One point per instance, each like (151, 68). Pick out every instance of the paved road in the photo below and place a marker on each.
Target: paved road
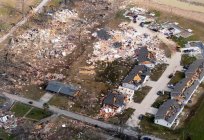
(24, 20)
(72, 115)
(145, 106)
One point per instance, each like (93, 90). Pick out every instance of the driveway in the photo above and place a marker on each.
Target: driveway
(145, 106)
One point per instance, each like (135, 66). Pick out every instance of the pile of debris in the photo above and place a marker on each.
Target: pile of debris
(7, 120)
(122, 43)
(65, 15)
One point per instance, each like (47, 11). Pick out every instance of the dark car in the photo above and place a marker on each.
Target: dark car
(140, 117)
(159, 93)
(171, 75)
(30, 102)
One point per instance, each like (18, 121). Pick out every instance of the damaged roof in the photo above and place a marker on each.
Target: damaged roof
(138, 70)
(114, 99)
(169, 110)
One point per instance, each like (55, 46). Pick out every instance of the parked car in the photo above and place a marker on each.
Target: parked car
(171, 75)
(160, 93)
(141, 117)
(30, 102)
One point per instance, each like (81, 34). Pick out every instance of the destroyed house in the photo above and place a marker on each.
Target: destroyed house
(168, 113)
(114, 99)
(138, 75)
(58, 87)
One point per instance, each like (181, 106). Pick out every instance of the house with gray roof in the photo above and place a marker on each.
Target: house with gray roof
(138, 76)
(61, 88)
(144, 57)
(184, 89)
(168, 113)
(181, 94)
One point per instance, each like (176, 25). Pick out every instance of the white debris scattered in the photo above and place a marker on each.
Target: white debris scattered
(65, 15)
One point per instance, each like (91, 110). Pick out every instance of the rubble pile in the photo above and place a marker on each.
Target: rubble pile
(7, 120)
(65, 15)
(47, 43)
(123, 43)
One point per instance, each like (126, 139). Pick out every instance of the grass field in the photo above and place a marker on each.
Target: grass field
(182, 5)
(141, 93)
(160, 100)
(177, 77)
(186, 60)
(4, 135)
(20, 109)
(157, 71)
(38, 114)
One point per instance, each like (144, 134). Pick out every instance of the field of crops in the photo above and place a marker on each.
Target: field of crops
(183, 5)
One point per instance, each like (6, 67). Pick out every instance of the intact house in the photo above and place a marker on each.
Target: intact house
(168, 113)
(113, 103)
(181, 94)
(137, 77)
(193, 48)
(144, 57)
(61, 88)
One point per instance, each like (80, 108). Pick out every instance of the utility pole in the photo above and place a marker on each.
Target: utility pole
(23, 8)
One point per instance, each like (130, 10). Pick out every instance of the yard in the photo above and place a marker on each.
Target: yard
(157, 72)
(161, 99)
(20, 109)
(120, 119)
(114, 72)
(141, 93)
(32, 92)
(177, 77)
(147, 126)
(4, 135)
(186, 60)
(38, 114)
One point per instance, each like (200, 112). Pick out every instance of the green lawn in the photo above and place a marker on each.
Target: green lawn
(4, 135)
(160, 100)
(141, 93)
(182, 41)
(186, 60)
(120, 119)
(195, 128)
(147, 126)
(20, 109)
(38, 114)
(177, 77)
(157, 71)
